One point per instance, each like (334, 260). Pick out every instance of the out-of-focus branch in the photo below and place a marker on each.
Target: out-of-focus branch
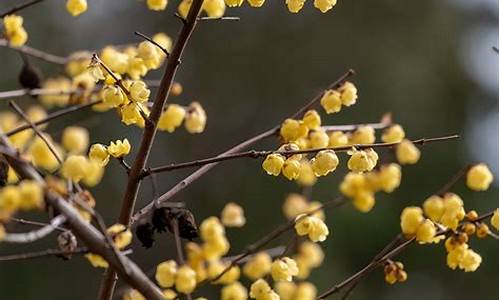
(41, 254)
(35, 235)
(19, 7)
(45, 56)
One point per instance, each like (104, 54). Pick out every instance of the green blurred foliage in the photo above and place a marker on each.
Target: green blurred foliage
(249, 75)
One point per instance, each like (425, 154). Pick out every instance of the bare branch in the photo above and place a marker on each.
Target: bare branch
(35, 235)
(41, 254)
(147, 38)
(19, 7)
(50, 58)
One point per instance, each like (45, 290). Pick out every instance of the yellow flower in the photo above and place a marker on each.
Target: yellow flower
(234, 291)
(393, 134)
(133, 295)
(261, 290)
(37, 113)
(318, 139)
(453, 211)
(94, 173)
(294, 205)
(434, 208)
(349, 92)
(353, 184)
(283, 269)
(216, 267)
(119, 148)
(96, 260)
(363, 135)
(131, 114)
(311, 253)
(171, 118)
(494, 219)
(184, 7)
(3, 233)
(273, 164)
(479, 177)
(305, 291)
(312, 226)
(389, 177)
(113, 96)
(165, 273)
(99, 153)
(57, 84)
(338, 139)
(211, 229)
(306, 176)
(10, 198)
(139, 91)
(330, 101)
(407, 153)
(157, 4)
(41, 154)
(324, 162)
(75, 139)
(76, 7)
(324, 5)
(258, 266)
(470, 261)
(14, 30)
(291, 130)
(411, 218)
(364, 201)
(256, 3)
(196, 118)
(75, 167)
(361, 161)
(31, 195)
(312, 119)
(426, 232)
(291, 169)
(286, 290)
(232, 215)
(121, 235)
(294, 6)
(185, 280)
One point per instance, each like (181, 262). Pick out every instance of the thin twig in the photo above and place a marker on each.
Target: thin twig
(35, 235)
(262, 153)
(21, 113)
(147, 38)
(461, 173)
(19, 7)
(223, 18)
(35, 223)
(41, 254)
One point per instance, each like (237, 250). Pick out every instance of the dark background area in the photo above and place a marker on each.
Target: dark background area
(430, 63)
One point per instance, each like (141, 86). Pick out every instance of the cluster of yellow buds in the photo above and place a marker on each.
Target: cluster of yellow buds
(14, 31)
(10, 121)
(333, 100)
(295, 291)
(394, 272)
(168, 275)
(101, 153)
(25, 196)
(193, 116)
(413, 223)
(459, 253)
(361, 187)
(121, 237)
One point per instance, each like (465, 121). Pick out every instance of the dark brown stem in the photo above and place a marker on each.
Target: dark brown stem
(40, 254)
(150, 129)
(19, 7)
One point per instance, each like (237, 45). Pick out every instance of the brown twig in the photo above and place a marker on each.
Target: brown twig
(262, 153)
(29, 237)
(19, 7)
(41, 254)
(223, 18)
(34, 223)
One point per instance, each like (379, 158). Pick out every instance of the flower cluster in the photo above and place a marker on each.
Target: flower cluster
(193, 116)
(25, 196)
(361, 187)
(394, 272)
(333, 100)
(14, 31)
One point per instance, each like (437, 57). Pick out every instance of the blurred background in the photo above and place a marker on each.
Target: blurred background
(430, 63)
